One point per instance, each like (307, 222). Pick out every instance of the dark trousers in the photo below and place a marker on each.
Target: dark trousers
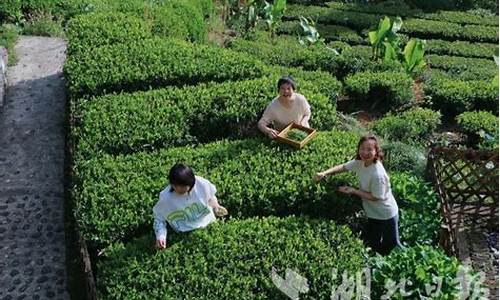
(383, 235)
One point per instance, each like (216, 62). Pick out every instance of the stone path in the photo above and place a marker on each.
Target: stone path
(32, 240)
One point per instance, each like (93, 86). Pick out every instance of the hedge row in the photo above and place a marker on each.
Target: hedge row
(15, 10)
(239, 256)
(472, 122)
(352, 37)
(128, 123)
(235, 261)
(413, 27)
(114, 194)
(391, 89)
(328, 32)
(181, 19)
(481, 128)
(154, 63)
(444, 30)
(286, 51)
(402, 10)
(453, 97)
(461, 48)
(412, 126)
(87, 32)
(474, 68)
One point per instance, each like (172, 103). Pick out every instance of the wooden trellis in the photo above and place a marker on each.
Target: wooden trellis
(467, 185)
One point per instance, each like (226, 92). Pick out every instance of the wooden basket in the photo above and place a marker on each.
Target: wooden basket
(282, 135)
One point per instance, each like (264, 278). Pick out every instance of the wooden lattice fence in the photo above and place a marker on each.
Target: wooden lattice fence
(467, 184)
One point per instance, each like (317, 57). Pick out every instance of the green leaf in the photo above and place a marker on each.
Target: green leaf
(397, 24)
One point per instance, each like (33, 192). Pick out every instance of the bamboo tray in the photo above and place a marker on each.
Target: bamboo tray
(282, 136)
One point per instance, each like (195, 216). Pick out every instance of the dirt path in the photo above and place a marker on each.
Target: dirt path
(32, 241)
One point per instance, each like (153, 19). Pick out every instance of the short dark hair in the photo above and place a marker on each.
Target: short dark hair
(180, 174)
(379, 155)
(287, 79)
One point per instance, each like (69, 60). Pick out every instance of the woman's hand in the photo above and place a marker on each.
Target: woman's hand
(347, 190)
(272, 133)
(319, 176)
(161, 244)
(220, 211)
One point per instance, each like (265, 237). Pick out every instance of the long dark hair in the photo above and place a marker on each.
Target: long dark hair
(180, 174)
(379, 155)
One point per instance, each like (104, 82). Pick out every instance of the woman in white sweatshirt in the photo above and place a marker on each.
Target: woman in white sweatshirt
(286, 108)
(187, 203)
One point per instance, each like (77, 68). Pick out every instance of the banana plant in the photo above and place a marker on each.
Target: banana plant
(413, 54)
(273, 14)
(384, 39)
(311, 35)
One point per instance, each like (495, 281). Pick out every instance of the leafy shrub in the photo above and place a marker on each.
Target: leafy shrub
(412, 126)
(397, 8)
(114, 195)
(328, 32)
(478, 69)
(461, 48)
(154, 63)
(433, 46)
(10, 11)
(182, 20)
(286, 51)
(491, 7)
(419, 210)
(473, 121)
(419, 266)
(387, 88)
(480, 127)
(87, 32)
(146, 120)
(420, 28)
(453, 97)
(8, 37)
(43, 24)
(401, 157)
(451, 31)
(235, 261)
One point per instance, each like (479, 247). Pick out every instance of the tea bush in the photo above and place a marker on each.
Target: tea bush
(87, 32)
(154, 63)
(114, 195)
(481, 128)
(476, 68)
(234, 262)
(393, 88)
(472, 122)
(412, 126)
(453, 97)
(395, 8)
(433, 46)
(10, 11)
(426, 29)
(459, 48)
(402, 157)
(127, 123)
(287, 51)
